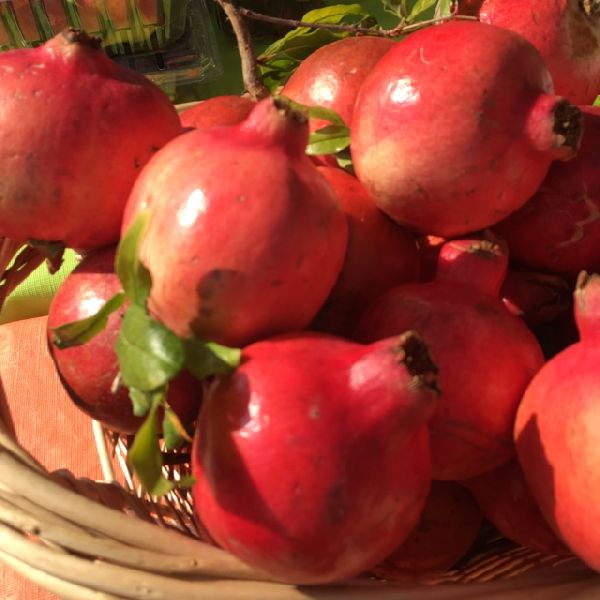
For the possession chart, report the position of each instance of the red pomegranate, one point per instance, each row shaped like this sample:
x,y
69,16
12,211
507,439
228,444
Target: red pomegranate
x,y
505,500
447,146
380,255
88,371
448,526
245,237
217,111
564,213
81,128
332,75
311,459
567,35
557,433
486,356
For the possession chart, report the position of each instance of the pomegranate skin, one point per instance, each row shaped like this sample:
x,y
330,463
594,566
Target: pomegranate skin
x,y
447,149
486,356
567,38
448,526
311,460
564,213
557,434
332,75
505,500
80,129
245,237
380,255
217,111
89,370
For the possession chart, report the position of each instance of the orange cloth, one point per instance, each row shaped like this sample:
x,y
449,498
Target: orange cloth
x,y
46,422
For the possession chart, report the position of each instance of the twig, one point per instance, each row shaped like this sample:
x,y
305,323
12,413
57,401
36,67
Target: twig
x,y
401,29
250,71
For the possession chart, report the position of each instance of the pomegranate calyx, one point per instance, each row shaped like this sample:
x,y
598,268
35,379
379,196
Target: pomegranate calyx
x,y
414,353
568,125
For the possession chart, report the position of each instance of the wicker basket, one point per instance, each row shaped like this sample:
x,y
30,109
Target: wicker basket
x,y
85,539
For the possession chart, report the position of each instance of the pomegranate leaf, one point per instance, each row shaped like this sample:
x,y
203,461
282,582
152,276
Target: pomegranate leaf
x,y
279,60
79,332
203,359
149,353
312,112
328,140
186,481
174,432
443,9
344,160
142,401
422,9
145,457
396,7
133,275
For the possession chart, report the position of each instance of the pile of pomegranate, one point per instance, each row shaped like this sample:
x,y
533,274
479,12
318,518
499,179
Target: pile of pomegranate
x,y
370,367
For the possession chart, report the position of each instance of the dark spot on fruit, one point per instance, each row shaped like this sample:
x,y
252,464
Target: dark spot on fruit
x,y
154,149
136,163
336,503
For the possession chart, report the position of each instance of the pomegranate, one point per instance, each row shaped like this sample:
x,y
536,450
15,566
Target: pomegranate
x,y
446,147
219,110
80,129
447,528
505,500
332,75
486,356
311,459
557,434
245,237
564,213
88,371
380,255
567,34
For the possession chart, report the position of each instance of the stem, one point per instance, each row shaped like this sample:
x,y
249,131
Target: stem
x,y
400,29
250,71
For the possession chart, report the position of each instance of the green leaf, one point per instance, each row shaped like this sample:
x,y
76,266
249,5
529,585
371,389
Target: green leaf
x,y
142,401
145,457
203,359
280,59
328,140
422,10
443,9
174,432
597,101
79,332
133,275
149,353
313,112
187,481
395,7
344,160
